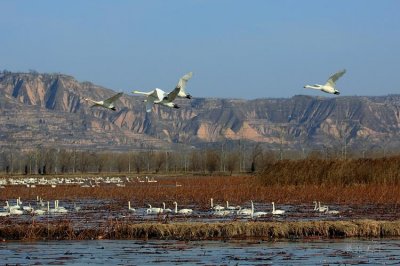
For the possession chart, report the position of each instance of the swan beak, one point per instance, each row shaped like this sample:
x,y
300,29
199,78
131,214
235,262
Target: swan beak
x,y
336,92
189,96
176,106
113,108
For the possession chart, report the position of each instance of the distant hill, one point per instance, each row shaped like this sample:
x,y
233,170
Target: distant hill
x,y
47,109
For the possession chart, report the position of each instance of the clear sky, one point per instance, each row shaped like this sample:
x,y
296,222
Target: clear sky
x,y
236,49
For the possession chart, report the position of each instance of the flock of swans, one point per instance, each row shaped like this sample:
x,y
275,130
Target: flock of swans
x,y
41,208
160,97
222,211
44,208
88,181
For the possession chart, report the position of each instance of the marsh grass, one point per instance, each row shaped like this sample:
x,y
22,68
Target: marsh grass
x,y
197,191
203,231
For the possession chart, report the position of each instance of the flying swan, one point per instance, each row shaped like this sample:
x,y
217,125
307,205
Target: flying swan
x,y
330,85
158,96
108,103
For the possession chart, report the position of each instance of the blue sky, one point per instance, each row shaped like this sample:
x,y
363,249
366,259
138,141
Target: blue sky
x,y
236,49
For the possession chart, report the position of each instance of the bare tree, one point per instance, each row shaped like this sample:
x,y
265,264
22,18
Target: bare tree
x,y
212,161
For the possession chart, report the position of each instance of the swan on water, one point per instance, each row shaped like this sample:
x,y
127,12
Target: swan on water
x,y
319,208
153,210
232,208
108,103
331,211
256,214
330,85
166,210
182,211
275,211
216,207
130,208
245,212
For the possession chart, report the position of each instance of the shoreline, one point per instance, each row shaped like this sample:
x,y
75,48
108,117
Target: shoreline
x,y
195,231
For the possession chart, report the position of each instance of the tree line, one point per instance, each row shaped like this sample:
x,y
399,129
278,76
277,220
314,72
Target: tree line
x,y
250,159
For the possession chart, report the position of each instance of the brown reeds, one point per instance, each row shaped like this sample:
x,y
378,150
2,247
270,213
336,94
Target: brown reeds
x,y
332,172
197,191
203,231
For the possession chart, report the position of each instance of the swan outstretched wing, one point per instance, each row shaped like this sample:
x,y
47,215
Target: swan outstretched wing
x,y
172,95
183,80
332,79
113,98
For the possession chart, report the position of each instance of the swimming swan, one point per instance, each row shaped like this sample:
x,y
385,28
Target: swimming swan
x,y
182,211
216,207
276,212
330,85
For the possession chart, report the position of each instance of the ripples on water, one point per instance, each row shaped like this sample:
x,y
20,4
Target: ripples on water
x,y
127,252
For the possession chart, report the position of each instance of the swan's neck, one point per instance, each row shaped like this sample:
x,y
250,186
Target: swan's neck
x,y
273,207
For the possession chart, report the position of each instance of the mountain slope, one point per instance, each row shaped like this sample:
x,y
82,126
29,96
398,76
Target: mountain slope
x,y
48,109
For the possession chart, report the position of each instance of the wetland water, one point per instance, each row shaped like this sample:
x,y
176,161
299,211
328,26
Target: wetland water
x,y
243,252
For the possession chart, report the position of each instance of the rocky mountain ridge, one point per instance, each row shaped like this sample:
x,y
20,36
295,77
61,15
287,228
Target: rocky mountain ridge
x,y
48,109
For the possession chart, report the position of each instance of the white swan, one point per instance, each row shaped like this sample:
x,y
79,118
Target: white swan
x,y
319,208
276,212
158,96
152,210
108,103
245,212
256,214
222,213
182,85
232,208
4,214
182,211
216,207
130,208
331,211
166,210
38,212
330,85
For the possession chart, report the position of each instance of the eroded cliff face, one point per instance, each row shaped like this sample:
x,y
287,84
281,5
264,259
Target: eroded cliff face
x,y
43,109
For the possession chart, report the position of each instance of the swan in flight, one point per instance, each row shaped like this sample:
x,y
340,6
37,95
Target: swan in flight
x,y
158,96
182,211
276,212
108,103
330,85
182,85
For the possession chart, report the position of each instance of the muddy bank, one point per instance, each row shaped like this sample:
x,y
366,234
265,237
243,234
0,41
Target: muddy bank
x,y
202,231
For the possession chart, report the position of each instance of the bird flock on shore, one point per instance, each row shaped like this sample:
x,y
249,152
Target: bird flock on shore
x,y
160,97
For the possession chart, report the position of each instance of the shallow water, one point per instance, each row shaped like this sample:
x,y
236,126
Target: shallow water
x,y
128,252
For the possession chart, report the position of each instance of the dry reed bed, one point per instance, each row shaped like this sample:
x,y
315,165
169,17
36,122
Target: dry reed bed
x,y
202,231
198,191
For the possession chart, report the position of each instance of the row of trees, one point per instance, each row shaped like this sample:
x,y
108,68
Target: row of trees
x,y
47,160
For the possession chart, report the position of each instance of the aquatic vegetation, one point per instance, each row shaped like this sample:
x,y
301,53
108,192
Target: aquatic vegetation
x,y
202,231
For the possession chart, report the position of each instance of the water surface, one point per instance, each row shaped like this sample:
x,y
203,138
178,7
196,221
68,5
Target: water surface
x,y
254,252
